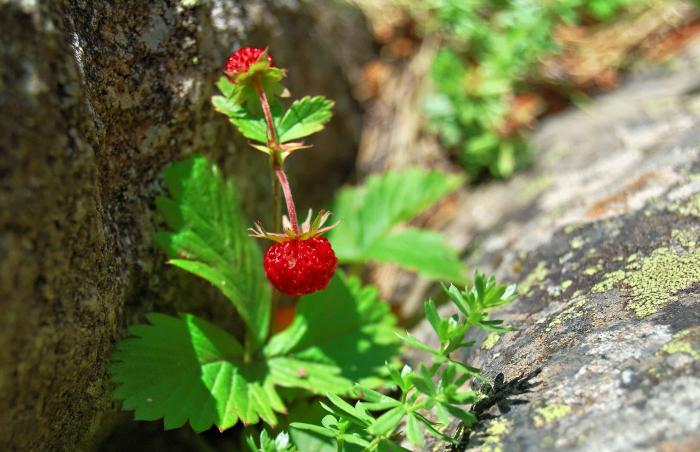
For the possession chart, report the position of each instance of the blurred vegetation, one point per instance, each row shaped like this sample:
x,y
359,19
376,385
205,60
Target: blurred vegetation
x,y
490,49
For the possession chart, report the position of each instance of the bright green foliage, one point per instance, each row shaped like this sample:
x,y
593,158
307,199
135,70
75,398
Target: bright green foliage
x,y
372,422
484,295
280,443
251,126
370,213
345,325
186,368
491,48
306,116
208,237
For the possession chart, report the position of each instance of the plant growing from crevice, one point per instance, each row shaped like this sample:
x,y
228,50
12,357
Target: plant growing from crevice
x,y
429,397
188,370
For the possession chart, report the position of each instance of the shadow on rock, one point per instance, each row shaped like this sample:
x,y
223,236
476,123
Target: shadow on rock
x,y
500,394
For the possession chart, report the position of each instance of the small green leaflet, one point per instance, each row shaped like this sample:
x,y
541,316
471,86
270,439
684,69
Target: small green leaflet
x,y
186,369
252,127
370,214
306,116
208,237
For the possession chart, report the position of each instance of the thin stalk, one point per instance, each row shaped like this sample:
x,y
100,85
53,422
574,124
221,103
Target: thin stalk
x,y
279,181
272,141
288,198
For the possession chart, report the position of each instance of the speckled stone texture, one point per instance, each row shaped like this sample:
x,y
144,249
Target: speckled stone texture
x,y
96,98
603,236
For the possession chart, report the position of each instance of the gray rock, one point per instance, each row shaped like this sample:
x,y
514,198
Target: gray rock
x,y
95,99
603,236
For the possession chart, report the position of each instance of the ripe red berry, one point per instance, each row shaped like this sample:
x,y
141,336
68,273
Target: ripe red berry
x,y
300,267
240,61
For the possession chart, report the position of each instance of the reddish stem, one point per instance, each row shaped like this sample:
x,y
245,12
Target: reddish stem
x,y
288,198
271,131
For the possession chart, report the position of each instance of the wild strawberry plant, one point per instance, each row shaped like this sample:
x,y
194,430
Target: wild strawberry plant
x,y
187,370
425,399
182,369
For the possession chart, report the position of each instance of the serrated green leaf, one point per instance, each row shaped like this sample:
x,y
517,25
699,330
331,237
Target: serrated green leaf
x,y
370,213
305,116
253,127
345,325
208,238
186,368
182,369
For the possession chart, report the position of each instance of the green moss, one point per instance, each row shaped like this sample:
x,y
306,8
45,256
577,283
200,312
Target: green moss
x,y
490,341
654,280
549,413
493,442
566,284
537,275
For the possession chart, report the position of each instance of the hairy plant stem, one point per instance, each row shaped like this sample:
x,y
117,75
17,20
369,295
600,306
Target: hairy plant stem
x,y
279,181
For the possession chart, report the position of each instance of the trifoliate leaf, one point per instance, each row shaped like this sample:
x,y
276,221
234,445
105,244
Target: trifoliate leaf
x,y
305,117
182,369
250,126
370,213
186,369
208,237
345,325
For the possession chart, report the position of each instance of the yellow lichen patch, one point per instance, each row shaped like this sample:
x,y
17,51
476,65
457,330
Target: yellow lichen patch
x,y
686,238
537,275
490,341
578,242
687,207
493,442
589,271
610,280
654,280
566,284
549,413
569,313
681,344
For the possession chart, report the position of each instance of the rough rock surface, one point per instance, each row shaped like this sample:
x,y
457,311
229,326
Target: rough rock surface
x,y
603,236
95,99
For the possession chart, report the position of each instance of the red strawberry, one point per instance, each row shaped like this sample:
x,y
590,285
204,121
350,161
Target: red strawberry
x,y
301,261
300,267
240,61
